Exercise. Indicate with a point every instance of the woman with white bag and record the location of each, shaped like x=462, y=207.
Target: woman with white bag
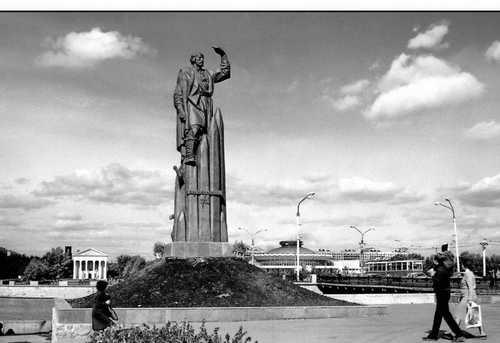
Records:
x=467, y=291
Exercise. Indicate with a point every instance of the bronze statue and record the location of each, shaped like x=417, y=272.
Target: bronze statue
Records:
x=200, y=192
x=193, y=101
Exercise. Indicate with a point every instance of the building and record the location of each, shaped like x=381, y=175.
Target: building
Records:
x=90, y=264
x=283, y=260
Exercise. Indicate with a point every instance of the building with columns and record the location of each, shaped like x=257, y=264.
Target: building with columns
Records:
x=90, y=264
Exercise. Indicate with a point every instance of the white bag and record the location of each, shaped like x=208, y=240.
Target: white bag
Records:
x=473, y=317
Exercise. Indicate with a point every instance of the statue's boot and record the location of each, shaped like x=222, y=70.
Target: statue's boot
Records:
x=190, y=158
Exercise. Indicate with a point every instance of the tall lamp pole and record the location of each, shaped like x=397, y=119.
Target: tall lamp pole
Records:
x=484, y=243
x=452, y=209
x=252, y=237
x=307, y=196
x=361, y=244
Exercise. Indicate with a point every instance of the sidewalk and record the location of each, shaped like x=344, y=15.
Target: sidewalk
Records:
x=402, y=324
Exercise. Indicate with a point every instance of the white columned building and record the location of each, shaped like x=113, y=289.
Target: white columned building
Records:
x=90, y=264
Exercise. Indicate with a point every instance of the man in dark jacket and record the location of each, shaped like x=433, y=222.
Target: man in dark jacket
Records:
x=441, y=285
x=102, y=313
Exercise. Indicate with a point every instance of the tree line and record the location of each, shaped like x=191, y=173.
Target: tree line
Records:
x=56, y=265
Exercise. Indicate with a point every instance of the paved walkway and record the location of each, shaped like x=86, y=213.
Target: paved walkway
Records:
x=401, y=324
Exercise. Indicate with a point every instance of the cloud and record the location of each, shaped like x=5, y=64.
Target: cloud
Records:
x=493, y=52
x=414, y=84
x=346, y=103
x=22, y=181
x=484, y=130
x=8, y=222
x=23, y=202
x=484, y=193
x=86, y=49
x=332, y=191
x=68, y=216
x=349, y=96
x=361, y=189
x=355, y=87
x=430, y=39
x=112, y=184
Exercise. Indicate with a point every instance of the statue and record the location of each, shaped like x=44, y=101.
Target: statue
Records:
x=200, y=191
x=193, y=101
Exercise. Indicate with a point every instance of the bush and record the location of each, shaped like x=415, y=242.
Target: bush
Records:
x=172, y=332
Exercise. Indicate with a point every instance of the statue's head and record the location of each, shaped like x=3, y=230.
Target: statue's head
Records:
x=197, y=59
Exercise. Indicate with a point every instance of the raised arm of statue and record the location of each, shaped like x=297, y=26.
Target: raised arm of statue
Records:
x=224, y=71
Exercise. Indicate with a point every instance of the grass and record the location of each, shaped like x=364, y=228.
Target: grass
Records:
x=210, y=282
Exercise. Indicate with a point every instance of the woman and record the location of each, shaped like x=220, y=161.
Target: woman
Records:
x=102, y=313
x=467, y=291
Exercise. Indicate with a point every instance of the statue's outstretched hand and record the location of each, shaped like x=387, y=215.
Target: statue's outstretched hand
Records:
x=218, y=50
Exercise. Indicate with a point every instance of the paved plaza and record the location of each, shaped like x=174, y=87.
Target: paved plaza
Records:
x=401, y=324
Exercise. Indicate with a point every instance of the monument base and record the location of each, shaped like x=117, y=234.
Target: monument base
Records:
x=198, y=249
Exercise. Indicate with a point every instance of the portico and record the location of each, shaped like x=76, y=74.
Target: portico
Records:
x=90, y=264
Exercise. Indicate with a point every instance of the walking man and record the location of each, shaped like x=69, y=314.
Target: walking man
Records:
x=441, y=285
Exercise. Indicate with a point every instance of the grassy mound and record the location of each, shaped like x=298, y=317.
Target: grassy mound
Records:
x=208, y=282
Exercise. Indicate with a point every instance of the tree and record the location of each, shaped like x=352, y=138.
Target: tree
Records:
x=409, y=256
x=128, y=265
x=240, y=248
x=13, y=264
x=159, y=249
x=53, y=265
x=37, y=269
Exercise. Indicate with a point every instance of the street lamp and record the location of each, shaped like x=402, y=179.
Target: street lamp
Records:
x=305, y=197
x=484, y=243
x=361, y=244
x=450, y=207
x=252, y=237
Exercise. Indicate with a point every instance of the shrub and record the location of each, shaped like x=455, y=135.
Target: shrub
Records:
x=172, y=332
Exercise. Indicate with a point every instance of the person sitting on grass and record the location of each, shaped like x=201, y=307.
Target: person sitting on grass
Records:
x=103, y=315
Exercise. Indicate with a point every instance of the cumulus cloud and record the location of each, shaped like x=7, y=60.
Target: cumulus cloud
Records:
x=332, y=191
x=484, y=193
x=417, y=83
x=361, y=189
x=346, y=103
x=348, y=96
x=86, y=49
x=493, y=52
x=112, y=184
x=484, y=130
x=23, y=202
x=355, y=87
x=430, y=39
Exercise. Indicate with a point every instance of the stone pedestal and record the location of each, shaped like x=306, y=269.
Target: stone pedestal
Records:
x=198, y=249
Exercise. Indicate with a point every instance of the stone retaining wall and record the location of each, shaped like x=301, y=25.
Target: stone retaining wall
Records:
x=74, y=325
x=64, y=292
x=386, y=299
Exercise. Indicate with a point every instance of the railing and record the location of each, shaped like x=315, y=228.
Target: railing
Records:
x=482, y=286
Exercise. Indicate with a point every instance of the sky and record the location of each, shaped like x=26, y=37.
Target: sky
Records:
x=380, y=114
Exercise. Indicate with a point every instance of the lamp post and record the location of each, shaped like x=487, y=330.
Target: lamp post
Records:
x=452, y=209
x=305, y=197
x=361, y=244
x=252, y=237
x=484, y=243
